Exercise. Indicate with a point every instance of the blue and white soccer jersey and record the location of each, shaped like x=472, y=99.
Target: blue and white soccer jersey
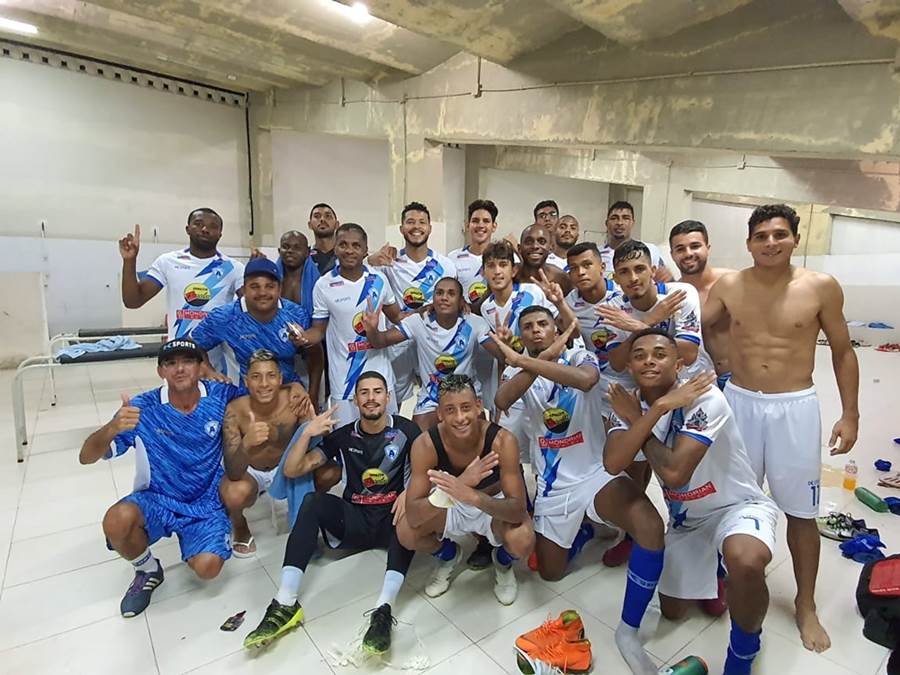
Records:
x=557, y=261
x=567, y=451
x=442, y=351
x=179, y=468
x=235, y=328
x=194, y=287
x=720, y=499
x=342, y=303
x=413, y=285
x=469, y=273
x=607, y=253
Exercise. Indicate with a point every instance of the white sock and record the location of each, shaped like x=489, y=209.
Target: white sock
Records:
x=390, y=588
x=145, y=562
x=633, y=651
x=290, y=585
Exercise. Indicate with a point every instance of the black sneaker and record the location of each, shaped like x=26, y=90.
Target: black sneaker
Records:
x=377, y=639
x=137, y=597
x=480, y=558
x=279, y=619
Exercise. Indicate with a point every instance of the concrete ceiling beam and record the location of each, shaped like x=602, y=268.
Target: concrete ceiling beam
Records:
x=880, y=17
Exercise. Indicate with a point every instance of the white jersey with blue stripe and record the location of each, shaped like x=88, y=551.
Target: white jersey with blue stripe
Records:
x=523, y=295
x=179, y=456
x=566, y=426
x=342, y=302
x=469, y=273
x=594, y=332
x=234, y=327
x=723, y=478
x=413, y=282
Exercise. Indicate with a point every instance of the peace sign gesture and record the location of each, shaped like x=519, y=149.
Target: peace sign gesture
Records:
x=552, y=290
x=371, y=318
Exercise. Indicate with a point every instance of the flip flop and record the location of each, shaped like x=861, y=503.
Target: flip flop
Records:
x=892, y=481
x=888, y=347
x=250, y=543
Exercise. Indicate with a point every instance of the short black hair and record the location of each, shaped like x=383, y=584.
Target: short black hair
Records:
x=206, y=210
x=369, y=375
x=630, y=250
x=768, y=211
x=498, y=250
x=544, y=204
x=652, y=331
x=352, y=227
x=321, y=205
x=584, y=247
x=456, y=281
x=415, y=206
x=456, y=383
x=483, y=205
x=620, y=205
x=688, y=226
x=535, y=309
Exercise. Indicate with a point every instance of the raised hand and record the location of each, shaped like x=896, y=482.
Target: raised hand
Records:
x=501, y=333
x=685, y=394
x=384, y=257
x=323, y=424
x=130, y=244
x=552, y=290
x=666, y=307
x=479, y=469
x=127, y=416
x=256, y=253
x=257, y=432
x=299, y=402
x=371, y=318
x=625, y=404
x=619, y=318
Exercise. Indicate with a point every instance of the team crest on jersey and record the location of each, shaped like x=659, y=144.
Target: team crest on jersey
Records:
x=445, y=364
x=196, y=294
x=413, y=297
x=698, y=421
x=477, y=291
x=600, y=337
x=690, y=322
x=391, y=451
x=211, y=428
x=556, y=420
x=374, y=477
x=283, y=334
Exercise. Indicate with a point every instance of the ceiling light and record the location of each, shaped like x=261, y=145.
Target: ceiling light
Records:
x=231, y=77
x=17, y=26
x=359, y=12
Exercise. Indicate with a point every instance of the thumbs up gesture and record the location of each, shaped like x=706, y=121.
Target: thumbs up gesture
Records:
x=257, y=432
x=127, y=416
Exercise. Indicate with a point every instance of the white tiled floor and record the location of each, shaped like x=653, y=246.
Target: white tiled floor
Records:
x=61, y=587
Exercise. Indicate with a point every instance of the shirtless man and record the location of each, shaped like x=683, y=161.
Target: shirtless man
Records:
x=776, y=313
x=465, y=479
x=256, y=432
x=689, y=247
x=534, y=250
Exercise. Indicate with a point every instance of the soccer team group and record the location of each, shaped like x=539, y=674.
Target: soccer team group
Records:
x=581, y=365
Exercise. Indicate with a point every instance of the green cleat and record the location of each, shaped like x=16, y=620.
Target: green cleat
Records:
x=279, y=619
x=377, y=639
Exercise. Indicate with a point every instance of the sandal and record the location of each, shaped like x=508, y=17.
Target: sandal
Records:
x=892, y=481
x=249, y=545
x=888, y=347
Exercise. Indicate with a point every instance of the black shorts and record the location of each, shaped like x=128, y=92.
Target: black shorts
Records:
x=365, y=526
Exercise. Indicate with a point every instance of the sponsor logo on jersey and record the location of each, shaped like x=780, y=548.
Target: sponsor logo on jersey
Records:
x=374, y=499
x=690, y=323
x=336, y=284
x=516, y=343
x=445, y=364
x=600, y=337
x=690, y=495
x=556, y=420
x=374, y=477
x=558, y=443
x=413, y=297
x=358, y=326
x=196, y=294
x=211, y=428
x=190, y=314
x=477, y=290
x=698, y=421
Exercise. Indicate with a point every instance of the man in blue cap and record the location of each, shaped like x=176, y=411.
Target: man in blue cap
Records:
x=262, y=319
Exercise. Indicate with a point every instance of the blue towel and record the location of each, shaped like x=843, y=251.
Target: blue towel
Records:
x=112, y=344
x=863, y=548
x=308, y=278
x=293, y=489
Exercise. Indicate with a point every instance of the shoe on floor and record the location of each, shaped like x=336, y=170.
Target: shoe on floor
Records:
x=567, y=657
x=506, y=587
x=716, y=606
x=443, y=573
x=567, y=626
x=533, y=561
x=619, y=554
x=480, y=558
x=377, y=639
x=278, y=620
x=137, y=597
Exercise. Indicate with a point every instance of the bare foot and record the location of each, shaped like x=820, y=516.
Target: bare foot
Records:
x=812, y=634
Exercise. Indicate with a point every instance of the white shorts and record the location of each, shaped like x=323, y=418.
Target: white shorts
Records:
x=465, y=519
x=405, y=365
x=559, y=515
x=692, y=557
x=348, y=412
x=515, y=421
x=263, y=478
x=783, y=435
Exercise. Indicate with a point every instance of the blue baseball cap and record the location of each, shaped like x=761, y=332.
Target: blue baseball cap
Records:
x=262, y=266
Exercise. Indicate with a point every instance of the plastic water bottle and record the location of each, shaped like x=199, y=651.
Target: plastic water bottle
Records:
x=690, y=665
x=871, y=500
x=850, y=472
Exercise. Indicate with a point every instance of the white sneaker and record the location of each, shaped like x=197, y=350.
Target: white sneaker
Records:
x=506, y=588
x=440, y=580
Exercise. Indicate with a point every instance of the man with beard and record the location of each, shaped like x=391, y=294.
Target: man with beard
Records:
x=689, y=247
x=198, y=279
x=534, y=249
x=777, y=311
x=412, y=273
x=619, y=226
x=375, y=454
x=479, y=228
x=565, y=237
x=323, y=223
x=465, y=478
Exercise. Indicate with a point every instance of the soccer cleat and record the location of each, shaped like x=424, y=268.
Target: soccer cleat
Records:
x=568, y=657
x=377, y=639
x=506, y=587
x=584, y=535
x=278, y=620
x=440, y=580
x=137, y=597
x=619, y=554
x=480, y=558
x=533, y=562
x=566, y=627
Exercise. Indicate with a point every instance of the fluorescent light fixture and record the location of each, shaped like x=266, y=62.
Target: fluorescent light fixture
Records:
x=17, y=26
x=356, y=12
x=359, y=12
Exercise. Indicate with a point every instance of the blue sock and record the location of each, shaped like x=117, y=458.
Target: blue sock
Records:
x=585, y=534
x=720, y=569
x=504, y=559
x=447, y=551
x=742, y=649
x=644, y=569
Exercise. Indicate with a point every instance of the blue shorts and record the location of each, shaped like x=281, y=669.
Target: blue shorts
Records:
x=722, y=380
x=210, y=533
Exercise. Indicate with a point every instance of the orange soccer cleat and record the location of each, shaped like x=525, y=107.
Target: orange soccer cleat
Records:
x=568, y=657
x=566, y=627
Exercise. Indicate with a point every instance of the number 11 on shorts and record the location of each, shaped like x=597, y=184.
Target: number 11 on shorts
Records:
x=816, y=490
